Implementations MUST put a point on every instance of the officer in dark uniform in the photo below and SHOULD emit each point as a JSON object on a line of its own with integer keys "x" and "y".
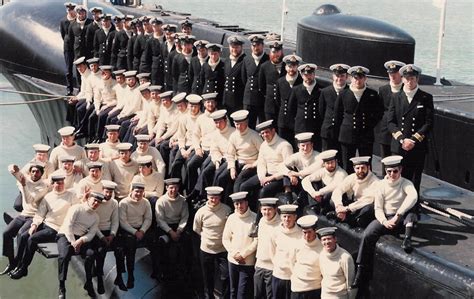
{"x": 386, "y": 92}
{"x": 95, "y": 25}
{"x": 68, "y": 50}
{"x": 166, "y": 48}
{"x": 234, "y": 85}
{"x": 196, "y": 64}
{"x": 137, "y": 29}
{"x": 358, "y": 109}
{"x": 269, "y": 73}
{"x": 140, "y": 42}
{"x": 304, "y": 103}
{"x": 327, "y": 100}
{"x": 180, "y": 65}
{"x": 253, "y": 96}
{"x": 410, "y": 120}
{"x": 103, "y": 40}
{"x": 119, "y": 47}
{"x": 186, "y": 26}
{"x": 284, "y": 86}
{"x": 212, "y": 73}
{"x": 152, "y": 60}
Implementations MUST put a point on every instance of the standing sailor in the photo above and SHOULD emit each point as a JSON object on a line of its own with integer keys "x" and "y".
{"x": 212, "y": 77}
{"x": 166, "y": 48}
{"x": 180, "y": 65}
{"x": 95, "y": 25}
{"x": 77, "y": 33}
{"x": 152, "y": 60}
{"x": 196, "y": 64}
{"x": 253, "y": 98}
{"x": 140, "y": 42}
{"x": 67, "y": 49}
{"x": 119, "y": 48}
{"x": 234, "y": 84}
{"x": 410, "y": 120}
{"x": 137, "y": 29}
{"x": 103, "y": 40}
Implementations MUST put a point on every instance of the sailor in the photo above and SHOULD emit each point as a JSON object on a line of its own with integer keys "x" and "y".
{"x": 304, "y": 103}
{"x": 120, "y": 89}
{"x": 186, "y": 26}
{"x": 241, "y": 248}
{"x": 168, "y": 47}
{"x": 172, "y": 215}
{"x": 105, "y": 238}
{"x": 180, "y": 65}
{"x": 144, "y": 149}
{"x": 202, "y": 140}
{"x": 118, "y": 21}
{"x": 253, "y": 99}
{"x": 32, "y": 190}
{"x": 212, "y": 78}
{"x": 84, "y": 111}
{"x": 394, "y": 198}
{"x": 137, "y": 124}
{"x": 74, "y": 238}
{"x": 272, "y": 153}
{"x": 108, "y": 148}
{"x": 187, "y": 126}
{"x": 91, "y": 29}
{"x": 234, "y": 85}
{"x": 105, "y": 98}
{"x": 123, "y": 170}
{"x": 77, "y": 33}
{"x": 152, "y": 60}
{"x": 320, "y": 184}
{"x": 85, "y": 91}
{"x": 337, "y": 267}
{"x": 41, "y": 155}
{"x": 386, "y": 93}
{"x": 141, "y": 40}
{"x": 267, "y": 225}
{"x": 305, "y": 271}
{"x": 103, "y": 40}
{"x": 410, "y": 120}
{"x": 46, "y": 223}
{"x": 152, "y": 180}
{"x": 327, "y": 100}
{"x": 283, "y": 241}
{"x": 66, "y": 166}
{"x": 154, "y": 109}
{"x": 270, "y": 72}
{"x": 196, "y": 64}
{"x": 67, "y": 147}
{"x": 357, "y": 110}
{"x": 137, "y": 29}
{"x": 92, "y": 182}
{"x": 119, "y": 48}
{"x": 284, "y": 86}
{"x": 298, "y": 165}
{"x": 353, "y": 199}
{"x": 216, "y": 161}
{"x": 135, "y": 219}
{"x": 134, "y": 99}
{"x": 92, "y": 155}
{"x": 242, "y": 153}
{"x": 209, "y": 223}
{"x": 68, "y": 51}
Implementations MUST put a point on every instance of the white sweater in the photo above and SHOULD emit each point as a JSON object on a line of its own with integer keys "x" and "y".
{"x": 171, "y": 211}
{"x": 108, "y": 212}
{"x": 203, "y": 132}
{"x": 154, "y": 184}
{"x": 53, "y": 208}
{"x": 62, "y": 150}
{"x": 243, "y": 147}
{"x": 305, "y": 273}
{"x": 363, "y": 191}
{"x": 266, "y": 228}
{"x": 122, "y": 174}
{"x": 337, "y": 269}
{"x": 283, "y": 242}
{"x": 135, "y": 215}
{"x": 81, "y": 220}
{"x": 220, "y": 143}
{"x": 305, "y": 164}
{"x": 394, "y": 198}
{"x": 236, "y": 237}
{"x": 209, "y": 223}
{"x": 31, "y": 196}
{"x": 271, "y": 156}
{"x": 330, "y": 180}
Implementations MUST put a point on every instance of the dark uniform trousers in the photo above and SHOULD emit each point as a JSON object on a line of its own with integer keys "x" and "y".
{"x": 313, "y": 294}
{"x": 66, "y": 251}
{"x": 44, "y": 234}
{"x": 382, "y": 134}
{"x": 101, "y": 122}
{"x": 262, "y": 282}
{"x": 206, "y": 176}
{"x": 308, "y": 205}
{"x": 241, "y": 281}
{"x": 175, "y": 257}
{"x": 281, "y": 288}
{"x": 68, "y": 59}
{"x": 193, "y": 165}
{"x": 253, "y": 98}
{"x": 164, "y": 148}
{"x": 130, "y": 137}
{"x": 356, "y": 120}
{"x": 177, "y": 161}
{"x": 130, "y": 245}
{"x": 252, "y": 185}
{"x": 18, "y": 227}
{"x": 360, "y": 218}
{"x": 372, "y": 234}
{"x": 412, "y": 120}
{"x": 233, "y": 85}
{"x": 327, "y": 101}
{"x": 267, "y": 81}
{"x": 83, "y": 114}
{"x": 101, "y": 248}
{"x": 286, "y": 121}
{"x": 209, "y": 262}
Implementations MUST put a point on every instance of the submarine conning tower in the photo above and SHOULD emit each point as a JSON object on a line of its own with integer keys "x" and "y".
{"x": 328, "y": 36}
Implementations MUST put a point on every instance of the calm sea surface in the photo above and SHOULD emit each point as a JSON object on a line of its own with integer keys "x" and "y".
{"x": 420, "y": 18}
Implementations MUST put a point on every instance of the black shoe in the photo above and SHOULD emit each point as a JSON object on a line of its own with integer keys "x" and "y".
{"x": 406, "y": 245}
{"x": 119, "y": 282}
{"x": 287, "y": 198}
{"x": 62, "y": 293}
{"x": 253, "y": 231}
{"x": 358, "y": 277}
{"x": 100, "y": 285}
{"x": 130, "y": 282}
{"x": 89, "y": 287}
{"x": 331, "y": 216}
{"x": 18, "y": 273}
{"x": 8, "y": 269}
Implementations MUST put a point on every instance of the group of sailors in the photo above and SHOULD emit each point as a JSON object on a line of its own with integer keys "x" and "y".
{"x": 165, "y": 116}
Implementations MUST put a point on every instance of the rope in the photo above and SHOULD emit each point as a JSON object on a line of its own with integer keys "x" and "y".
{"x": 31, "y": 93}
{"x": 32, "y": 102}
